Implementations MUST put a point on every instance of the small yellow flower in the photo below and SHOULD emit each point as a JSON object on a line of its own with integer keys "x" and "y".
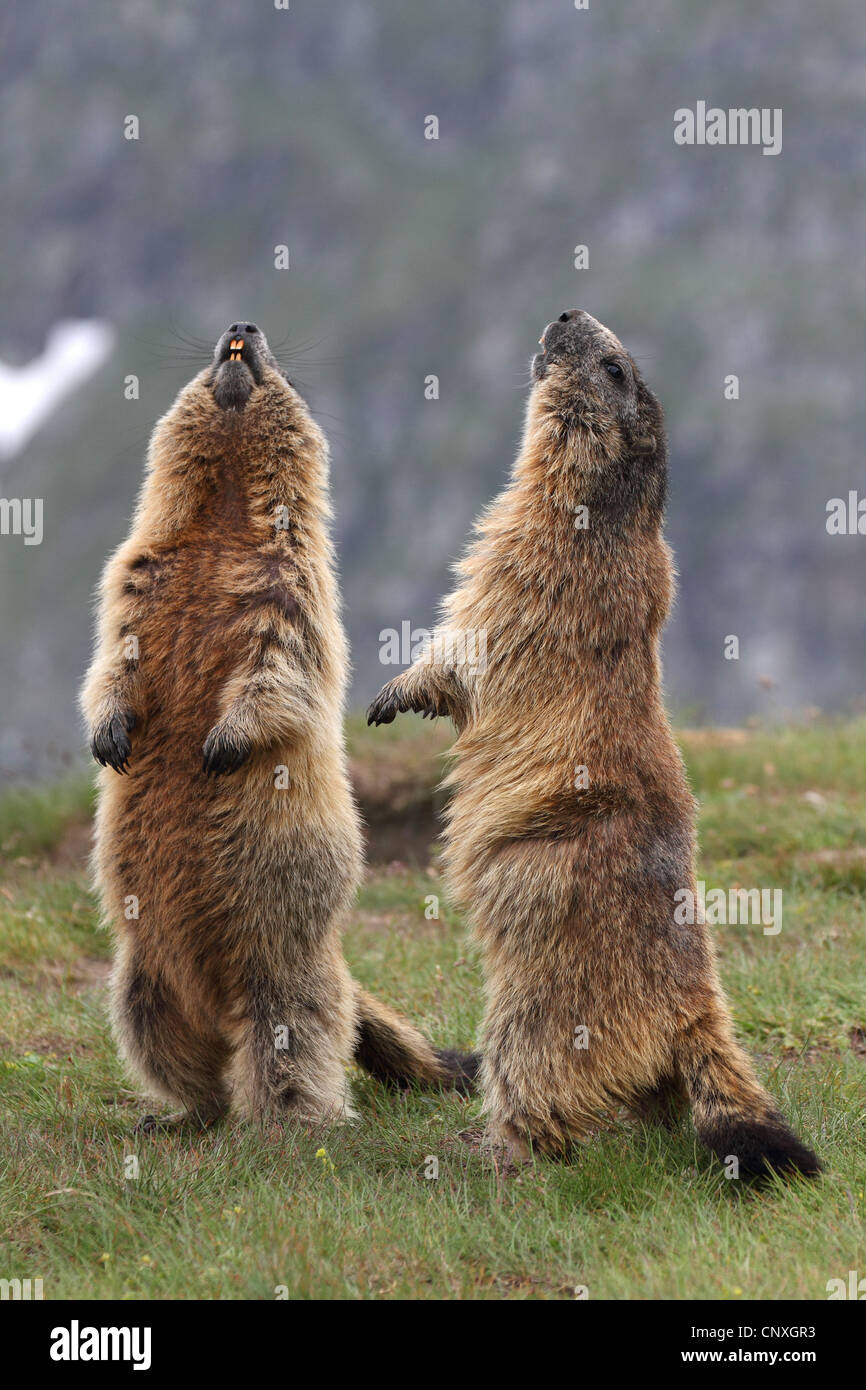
{"x": 145, "y": 1260}
{"x": 326, "y": 1162}
{"x": 104, "y": 1258}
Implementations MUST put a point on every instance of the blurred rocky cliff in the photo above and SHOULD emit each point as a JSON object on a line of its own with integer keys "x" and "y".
{"x": 411, "y": 258}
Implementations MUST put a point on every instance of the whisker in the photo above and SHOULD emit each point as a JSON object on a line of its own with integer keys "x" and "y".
{"x": 189, "y": 340}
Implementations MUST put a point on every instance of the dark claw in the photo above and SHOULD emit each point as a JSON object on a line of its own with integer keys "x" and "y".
{"x": 223, "y": 756}
{"x": 384, "y": 709}
{"x": 428, "y": 709}
{"x": 389, "y": 703}
{"x": 110, "y": 745}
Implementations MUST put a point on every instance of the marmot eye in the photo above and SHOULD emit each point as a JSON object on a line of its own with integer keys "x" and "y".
{"x": 614, "y": 369}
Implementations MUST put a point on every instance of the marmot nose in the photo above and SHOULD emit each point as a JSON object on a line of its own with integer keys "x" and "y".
{"x": 242, "y": 327}
{"x": 552, "y": 330}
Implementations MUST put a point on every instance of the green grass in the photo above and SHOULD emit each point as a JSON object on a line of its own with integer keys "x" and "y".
{"x": 34, "y": 821}
{"x": 235, "y": 1213}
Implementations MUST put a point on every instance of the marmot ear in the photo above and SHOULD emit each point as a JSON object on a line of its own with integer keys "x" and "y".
{"x": 646, "y": 444}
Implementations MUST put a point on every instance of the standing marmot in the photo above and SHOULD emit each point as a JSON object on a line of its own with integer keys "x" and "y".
{"x": 571, "y": 824}
{"x": 220, "y": 651}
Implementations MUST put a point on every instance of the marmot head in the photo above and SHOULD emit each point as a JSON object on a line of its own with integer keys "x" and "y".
{"x": 242, "y": 413}
{"x": 240, "y": 359}
{"x": 589, "y": 390}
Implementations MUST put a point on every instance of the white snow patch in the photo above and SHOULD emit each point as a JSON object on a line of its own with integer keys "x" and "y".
{"x": 74, "y": 350}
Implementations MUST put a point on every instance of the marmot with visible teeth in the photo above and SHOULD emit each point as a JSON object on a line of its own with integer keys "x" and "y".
{"x": 229, "y": 855}
{"x": 571, "y": 825}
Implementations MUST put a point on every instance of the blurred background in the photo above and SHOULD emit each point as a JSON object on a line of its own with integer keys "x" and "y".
{"x": 411, "y": 257}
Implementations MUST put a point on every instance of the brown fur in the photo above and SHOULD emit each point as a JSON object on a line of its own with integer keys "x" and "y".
{"x": 240, "y": 669}
{"x": 571, "y": 889}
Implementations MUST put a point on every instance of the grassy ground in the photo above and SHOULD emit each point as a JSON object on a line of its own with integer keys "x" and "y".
{"x": 643, "y": 1214}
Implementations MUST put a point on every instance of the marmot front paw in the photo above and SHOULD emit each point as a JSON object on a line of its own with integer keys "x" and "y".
{"x": 392, "y": 701}
{"x": 224, "y": 752}
{"x": 110, "y": 744}
{"x": 385, "y": 707}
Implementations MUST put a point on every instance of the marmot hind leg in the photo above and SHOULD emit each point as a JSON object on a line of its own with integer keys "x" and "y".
{"x": 293, "y": 1041}
{"x": 733, "y": 1114}
{"x": 535, "y": 1100}
{"x": 663, "y": 1104}
{"x": 175, "y": 1058}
